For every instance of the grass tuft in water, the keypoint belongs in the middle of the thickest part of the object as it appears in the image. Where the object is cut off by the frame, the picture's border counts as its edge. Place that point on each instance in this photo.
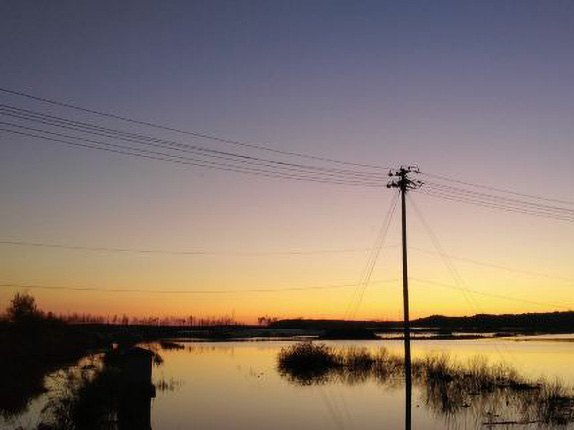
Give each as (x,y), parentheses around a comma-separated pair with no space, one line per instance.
(447,387)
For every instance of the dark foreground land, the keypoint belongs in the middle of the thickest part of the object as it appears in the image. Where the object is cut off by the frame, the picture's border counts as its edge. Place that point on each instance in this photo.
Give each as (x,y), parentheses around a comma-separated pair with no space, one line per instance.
(30,350)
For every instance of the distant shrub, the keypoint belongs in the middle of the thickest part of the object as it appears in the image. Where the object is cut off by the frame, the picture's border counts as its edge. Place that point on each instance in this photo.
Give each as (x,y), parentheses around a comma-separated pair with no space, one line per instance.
(23,309)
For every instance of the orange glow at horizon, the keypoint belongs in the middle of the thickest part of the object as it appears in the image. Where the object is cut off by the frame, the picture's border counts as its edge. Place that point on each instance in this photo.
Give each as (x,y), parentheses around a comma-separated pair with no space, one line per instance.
(433,290)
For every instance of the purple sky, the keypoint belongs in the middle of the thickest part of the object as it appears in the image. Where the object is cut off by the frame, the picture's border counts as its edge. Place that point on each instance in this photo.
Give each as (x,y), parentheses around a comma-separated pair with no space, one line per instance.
(482,91)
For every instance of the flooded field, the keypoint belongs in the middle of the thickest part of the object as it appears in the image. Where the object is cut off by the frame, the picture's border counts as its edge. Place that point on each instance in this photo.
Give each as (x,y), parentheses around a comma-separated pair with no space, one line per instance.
(221,385)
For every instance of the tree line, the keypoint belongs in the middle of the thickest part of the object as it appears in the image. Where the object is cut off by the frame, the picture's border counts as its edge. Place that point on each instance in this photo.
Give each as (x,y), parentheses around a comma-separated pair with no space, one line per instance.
(23,307)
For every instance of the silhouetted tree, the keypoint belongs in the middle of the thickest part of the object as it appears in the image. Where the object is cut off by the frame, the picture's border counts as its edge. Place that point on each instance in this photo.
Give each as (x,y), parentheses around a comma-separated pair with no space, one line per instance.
(23,309)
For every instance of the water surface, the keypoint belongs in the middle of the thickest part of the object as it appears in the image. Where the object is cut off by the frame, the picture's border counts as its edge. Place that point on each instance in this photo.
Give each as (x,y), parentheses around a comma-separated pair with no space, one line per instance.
(236,385)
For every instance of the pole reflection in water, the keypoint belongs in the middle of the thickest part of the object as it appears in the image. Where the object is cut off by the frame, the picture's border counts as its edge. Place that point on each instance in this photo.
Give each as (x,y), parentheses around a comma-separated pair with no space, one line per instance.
(408,379)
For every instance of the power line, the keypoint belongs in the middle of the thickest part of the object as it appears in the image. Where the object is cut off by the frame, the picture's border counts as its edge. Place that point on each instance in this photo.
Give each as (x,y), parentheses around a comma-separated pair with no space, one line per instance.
(128,151)
(499,296)
(493,205)
(96,144)
(500,199)
(54,121)
(498,266)
(490,205)
(363,284)
(204,292)
(497,201)
(447,262)
(256,146)
(167,252)
(501,190)
(270,253)
(186,132)
(459,281)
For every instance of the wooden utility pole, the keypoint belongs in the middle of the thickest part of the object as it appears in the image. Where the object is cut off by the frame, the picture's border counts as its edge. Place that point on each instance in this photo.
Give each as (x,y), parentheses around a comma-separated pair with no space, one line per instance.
(400,179)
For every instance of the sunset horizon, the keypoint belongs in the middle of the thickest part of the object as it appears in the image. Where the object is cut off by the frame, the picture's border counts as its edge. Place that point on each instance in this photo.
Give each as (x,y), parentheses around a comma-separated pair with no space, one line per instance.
(270,199)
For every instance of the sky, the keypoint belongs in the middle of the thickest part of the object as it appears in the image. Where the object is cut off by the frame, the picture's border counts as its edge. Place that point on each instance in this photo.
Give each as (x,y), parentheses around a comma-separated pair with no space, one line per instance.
(477,91)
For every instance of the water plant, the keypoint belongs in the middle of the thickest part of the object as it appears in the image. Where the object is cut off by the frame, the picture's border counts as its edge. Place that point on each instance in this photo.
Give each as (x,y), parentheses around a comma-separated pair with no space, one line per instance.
(494,394)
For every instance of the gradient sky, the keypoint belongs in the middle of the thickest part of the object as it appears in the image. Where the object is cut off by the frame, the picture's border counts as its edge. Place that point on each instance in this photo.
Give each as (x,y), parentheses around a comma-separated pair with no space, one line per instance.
(481,91)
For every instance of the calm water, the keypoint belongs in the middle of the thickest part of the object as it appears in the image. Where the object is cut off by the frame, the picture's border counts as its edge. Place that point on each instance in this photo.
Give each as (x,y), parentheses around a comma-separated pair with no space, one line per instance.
(236,385)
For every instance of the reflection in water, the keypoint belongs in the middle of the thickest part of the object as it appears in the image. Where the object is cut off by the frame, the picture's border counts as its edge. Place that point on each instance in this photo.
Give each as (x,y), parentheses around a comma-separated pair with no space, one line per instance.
(112,392)
(493,395)
(241,380)
(84,397)
(167,385)
(30,350)
(21,383)
(408,371)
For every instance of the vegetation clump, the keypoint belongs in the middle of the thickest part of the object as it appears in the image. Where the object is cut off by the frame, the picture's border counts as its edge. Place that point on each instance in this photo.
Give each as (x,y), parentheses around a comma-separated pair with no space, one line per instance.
(23,309)
(307,361)
(447,387)
(169,345)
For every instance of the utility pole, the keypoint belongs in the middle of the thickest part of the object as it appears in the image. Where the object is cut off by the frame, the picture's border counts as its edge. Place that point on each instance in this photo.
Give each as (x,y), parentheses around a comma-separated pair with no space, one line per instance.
(400,179)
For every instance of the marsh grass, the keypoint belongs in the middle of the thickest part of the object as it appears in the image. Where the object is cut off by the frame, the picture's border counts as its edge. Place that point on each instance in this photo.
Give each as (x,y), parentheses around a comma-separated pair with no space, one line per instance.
(308,363)
(494,394)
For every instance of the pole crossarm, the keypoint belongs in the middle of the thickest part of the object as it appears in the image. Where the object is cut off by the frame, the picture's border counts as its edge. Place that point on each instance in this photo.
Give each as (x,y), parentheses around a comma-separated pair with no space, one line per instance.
(399,178)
